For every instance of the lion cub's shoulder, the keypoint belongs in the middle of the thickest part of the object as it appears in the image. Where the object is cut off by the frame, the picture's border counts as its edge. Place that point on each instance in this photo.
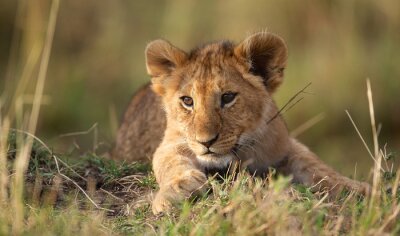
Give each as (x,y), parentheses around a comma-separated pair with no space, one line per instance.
(142,127)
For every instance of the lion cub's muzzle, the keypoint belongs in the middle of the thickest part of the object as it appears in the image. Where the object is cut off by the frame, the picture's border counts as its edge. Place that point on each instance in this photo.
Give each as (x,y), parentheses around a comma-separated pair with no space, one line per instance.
(207,144)
(216,146)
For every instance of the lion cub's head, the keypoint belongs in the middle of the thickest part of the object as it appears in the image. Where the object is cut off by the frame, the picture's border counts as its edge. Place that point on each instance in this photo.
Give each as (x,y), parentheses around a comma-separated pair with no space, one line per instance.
(218,93)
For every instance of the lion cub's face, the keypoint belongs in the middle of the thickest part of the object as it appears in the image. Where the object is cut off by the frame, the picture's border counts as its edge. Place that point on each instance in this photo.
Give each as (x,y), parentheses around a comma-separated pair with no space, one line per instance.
(214,106)
(218,92)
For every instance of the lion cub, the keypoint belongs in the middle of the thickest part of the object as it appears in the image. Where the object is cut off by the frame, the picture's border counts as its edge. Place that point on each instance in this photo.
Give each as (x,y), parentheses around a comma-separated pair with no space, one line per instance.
(213,106)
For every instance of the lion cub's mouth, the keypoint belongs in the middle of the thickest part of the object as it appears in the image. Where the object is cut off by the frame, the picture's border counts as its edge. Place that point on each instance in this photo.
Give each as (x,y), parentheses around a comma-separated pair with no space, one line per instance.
(214,160)
(209,153)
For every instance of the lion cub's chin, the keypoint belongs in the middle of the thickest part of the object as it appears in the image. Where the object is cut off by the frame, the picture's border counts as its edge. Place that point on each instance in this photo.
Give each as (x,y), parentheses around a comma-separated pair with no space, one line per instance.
(215,161)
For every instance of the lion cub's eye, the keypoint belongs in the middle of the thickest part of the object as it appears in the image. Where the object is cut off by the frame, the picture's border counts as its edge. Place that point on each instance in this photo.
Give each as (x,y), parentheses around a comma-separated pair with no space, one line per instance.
(187,101)
(227,98)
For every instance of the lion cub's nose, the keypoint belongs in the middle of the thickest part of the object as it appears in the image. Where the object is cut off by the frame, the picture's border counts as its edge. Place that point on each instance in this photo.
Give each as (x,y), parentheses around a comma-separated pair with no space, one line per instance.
(210,142)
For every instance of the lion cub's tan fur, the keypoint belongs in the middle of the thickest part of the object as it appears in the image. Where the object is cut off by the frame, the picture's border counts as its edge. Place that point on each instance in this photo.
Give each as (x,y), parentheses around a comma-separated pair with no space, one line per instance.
(186,141)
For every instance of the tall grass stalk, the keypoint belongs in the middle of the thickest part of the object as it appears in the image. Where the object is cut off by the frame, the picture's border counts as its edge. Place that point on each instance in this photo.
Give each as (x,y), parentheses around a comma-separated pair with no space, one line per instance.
(4,129)
(25,145)
(375,194)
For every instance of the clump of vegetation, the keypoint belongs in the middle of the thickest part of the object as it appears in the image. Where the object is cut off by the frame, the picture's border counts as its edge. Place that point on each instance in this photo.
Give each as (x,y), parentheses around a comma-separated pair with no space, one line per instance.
(114,198)
(86,193)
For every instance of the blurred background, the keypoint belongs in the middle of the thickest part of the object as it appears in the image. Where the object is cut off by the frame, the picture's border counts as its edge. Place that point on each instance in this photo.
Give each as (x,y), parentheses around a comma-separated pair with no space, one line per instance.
(97,63)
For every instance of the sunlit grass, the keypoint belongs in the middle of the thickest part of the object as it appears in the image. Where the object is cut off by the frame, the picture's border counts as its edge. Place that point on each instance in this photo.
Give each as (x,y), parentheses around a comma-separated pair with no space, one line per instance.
(235,206)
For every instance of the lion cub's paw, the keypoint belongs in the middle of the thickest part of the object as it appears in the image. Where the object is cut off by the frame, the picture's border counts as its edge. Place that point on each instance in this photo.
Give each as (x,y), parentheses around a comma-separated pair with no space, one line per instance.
(160,204)
(191,182)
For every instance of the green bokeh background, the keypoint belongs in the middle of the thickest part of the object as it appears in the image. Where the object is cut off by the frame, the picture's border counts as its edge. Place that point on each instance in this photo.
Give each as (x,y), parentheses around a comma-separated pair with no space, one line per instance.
(97,62)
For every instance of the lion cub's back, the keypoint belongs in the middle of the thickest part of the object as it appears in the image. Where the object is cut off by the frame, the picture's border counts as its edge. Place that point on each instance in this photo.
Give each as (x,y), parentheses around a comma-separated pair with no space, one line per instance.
(142,127)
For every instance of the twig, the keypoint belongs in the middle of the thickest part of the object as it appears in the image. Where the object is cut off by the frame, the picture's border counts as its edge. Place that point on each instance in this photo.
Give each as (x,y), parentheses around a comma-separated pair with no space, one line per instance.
(319,202)
(362,139)
(56,159)
(80,188)
(92,128)
(79,132)
(282,110)
(50,151)
(298,100)
(112,195)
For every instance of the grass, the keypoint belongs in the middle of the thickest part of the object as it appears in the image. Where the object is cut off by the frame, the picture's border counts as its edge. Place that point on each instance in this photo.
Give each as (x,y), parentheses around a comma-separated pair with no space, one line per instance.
(43,192)
(242,206)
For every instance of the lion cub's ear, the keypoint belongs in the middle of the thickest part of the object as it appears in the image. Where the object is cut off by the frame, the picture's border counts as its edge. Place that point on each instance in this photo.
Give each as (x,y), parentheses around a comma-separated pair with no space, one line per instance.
(266,54)
(161,59)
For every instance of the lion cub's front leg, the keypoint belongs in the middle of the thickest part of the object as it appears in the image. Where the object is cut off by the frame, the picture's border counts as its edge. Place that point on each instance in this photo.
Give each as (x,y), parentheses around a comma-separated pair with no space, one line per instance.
(178,178)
